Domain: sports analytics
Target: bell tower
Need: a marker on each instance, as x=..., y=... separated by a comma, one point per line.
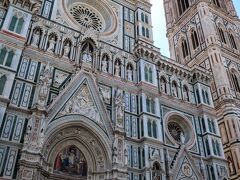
x=206, y=34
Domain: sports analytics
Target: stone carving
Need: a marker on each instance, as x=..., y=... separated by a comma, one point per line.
x=42, y=131
x=83, y=104
x=105, y=64
x=125, y=155
x=36, y=38
x=28, y=132
x=117, y=69
x=187, y=170
x=182, y=138
x=115, y=151
x=66, y=50
x=44, y=83
x=129, y=74
x=51, y=46
x=36, y=6
x=106, y=93
x=120, y=106
x=59, y=78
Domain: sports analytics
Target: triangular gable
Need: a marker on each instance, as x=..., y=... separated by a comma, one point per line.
x=185, y=168
x=82, y=97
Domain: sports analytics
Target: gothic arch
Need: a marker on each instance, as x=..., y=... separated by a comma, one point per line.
x=83, y=133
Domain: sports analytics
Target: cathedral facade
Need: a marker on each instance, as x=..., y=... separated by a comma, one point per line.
x=85, y=95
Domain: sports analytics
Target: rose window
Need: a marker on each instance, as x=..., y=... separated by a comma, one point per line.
x=175, y=131
x=86, y=17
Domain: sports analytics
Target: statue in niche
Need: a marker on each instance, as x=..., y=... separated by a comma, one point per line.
x=66, y=49
x=51, y=46
x=71, y=161
x=44, y=83
x=87, y=52
x=129, y=73
x=36, y=7
x=115, y=151
x=120, y=107
x=36, y=38
x=105, y=64
x=117, y=69
x=182, y=138
x=174, y=90
x=28, y=131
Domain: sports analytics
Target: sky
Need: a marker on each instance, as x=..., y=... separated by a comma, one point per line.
x=159, y=25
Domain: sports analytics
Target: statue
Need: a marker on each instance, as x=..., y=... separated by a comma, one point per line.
x=36, y=38
x=44, y=83
x=117, y=70
x=129, y=74
x=104, y=64
x=230, y=165
x=51, y=46
x=174, y=91
x=28, y=131
x=66, y=50
x=42, y=131
x=36, y=7
x=115, y=152
x=87, y=57
x=182, y=138
x=120, y=106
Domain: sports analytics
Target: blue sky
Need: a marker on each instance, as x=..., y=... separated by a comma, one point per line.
x=159, y=25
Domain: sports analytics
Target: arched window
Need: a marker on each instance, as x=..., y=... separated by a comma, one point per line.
x=214, y=148
x=213, y=127
x=216, y=2
x=203, y=96
x=147, y=33
x=142, y=17
x=194, y=38
x=163, y=85
x=149, y=128
x=207, y=98
x=203, y=125
x=3, y=80
x=174, y=89
x=154, y=126
x=235, y=81
x=185, y=93
x=207, y=147
x=218, y=148
x=232, y=41
x=16, y=24
x=209, y=125
x=148, y=74
x=185, y=51
x=222, y=35
x=143, y=31
x=183, y=5
x=198, y=96
x=150, y=104
x=146, y=19
x=6, y=57
x=212, y=172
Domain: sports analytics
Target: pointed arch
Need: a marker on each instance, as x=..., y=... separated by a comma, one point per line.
x=3, y=80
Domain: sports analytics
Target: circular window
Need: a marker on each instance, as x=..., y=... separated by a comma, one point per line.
x=86, y=17
x=179, y=129
x=175, y=131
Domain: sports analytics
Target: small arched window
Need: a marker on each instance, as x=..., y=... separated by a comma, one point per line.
x=6, y=57
x=16, y=24
x=235, y=81
x=149, y=128
x=183, y=5
x=198, y=96
x=207, y=147
x=203, y=96
x=218, y=148
x=147, y=33
x=148, y=73
x=146, y=19
x=142, y=17
x=214, y=147
x=222, y=35
x=154, y=126
x=3, y=80
x=203, y=125
x=185, y=51
x=209, y=125
x=232, y=41
x=194, y=37
x=150, y=105
x=143, y=31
